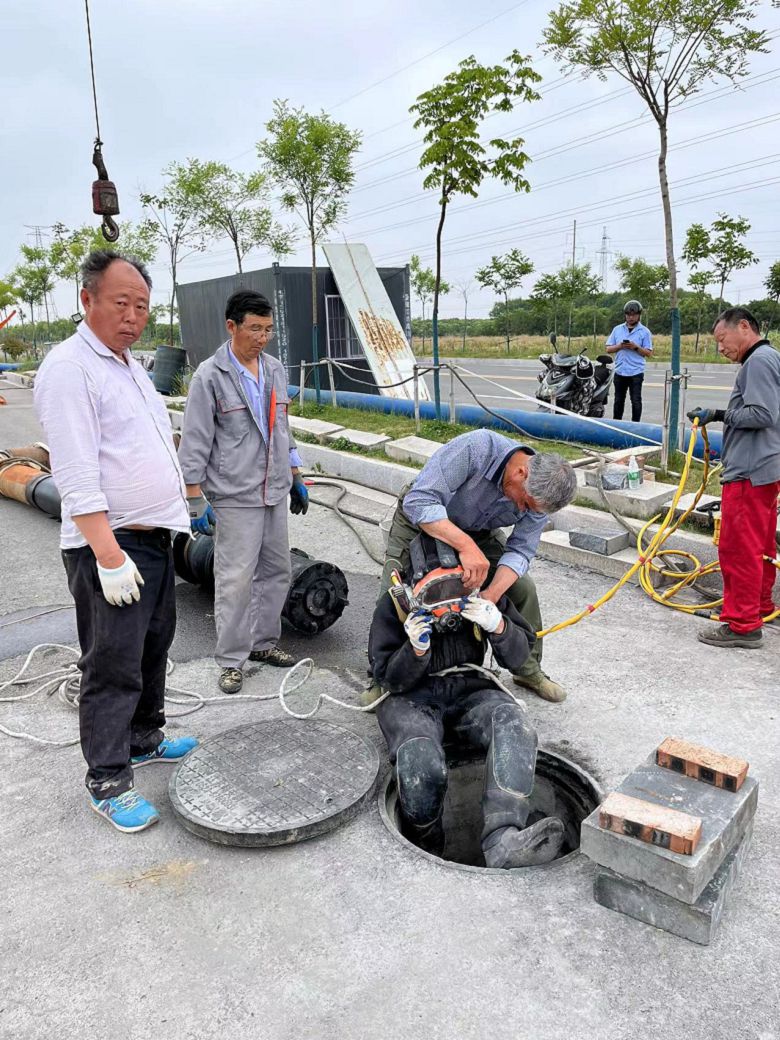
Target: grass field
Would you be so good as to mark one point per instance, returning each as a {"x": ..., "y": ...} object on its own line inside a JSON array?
[{"x": 533, "y": 346}]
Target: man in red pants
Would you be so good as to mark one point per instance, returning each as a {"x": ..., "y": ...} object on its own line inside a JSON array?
[{"x": 750, "y": 478}]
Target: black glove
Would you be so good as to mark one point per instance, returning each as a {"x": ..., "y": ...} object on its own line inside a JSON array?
[
  {"x": 299, "y": 496},
  {"x": 707, "y": 415}
]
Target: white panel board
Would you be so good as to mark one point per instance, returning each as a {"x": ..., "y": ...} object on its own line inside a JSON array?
[{"x": 389, "y": 356}]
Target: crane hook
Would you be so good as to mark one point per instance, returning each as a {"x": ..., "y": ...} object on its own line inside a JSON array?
[{"x": 105, "y": 199}]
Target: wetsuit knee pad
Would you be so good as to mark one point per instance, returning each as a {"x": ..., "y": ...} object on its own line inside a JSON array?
[
  {"x": 421, "y": 778},
  {"x": 513, "y": 749}
]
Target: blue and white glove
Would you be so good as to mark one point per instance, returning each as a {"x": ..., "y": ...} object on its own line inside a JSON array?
[
  {"x": 418, "y": 630},
  {"x": 483, "y": 613},
  {"x": 299, "y": 495},
  {"x": 202, "y": 517}
]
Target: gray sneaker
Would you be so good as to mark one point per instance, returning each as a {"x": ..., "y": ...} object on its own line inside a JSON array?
[
  {"x": 723, "y": 635},
  {"x": 273, "y": 655},
  {"x": 231, "y": 680}
]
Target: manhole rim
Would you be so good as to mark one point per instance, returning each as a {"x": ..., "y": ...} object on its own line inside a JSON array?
[
  {"x": 464, "y": 759},
  {"x": 220, "y": 834}
]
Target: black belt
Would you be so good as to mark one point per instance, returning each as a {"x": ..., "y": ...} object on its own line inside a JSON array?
[{"x": 160, "y": 536}]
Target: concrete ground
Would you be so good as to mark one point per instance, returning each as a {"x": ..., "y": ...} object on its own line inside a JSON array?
[{"x": 351, "y": 935}]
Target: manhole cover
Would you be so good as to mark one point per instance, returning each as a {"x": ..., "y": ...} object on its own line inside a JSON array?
[{"x": 274, "y": 783}]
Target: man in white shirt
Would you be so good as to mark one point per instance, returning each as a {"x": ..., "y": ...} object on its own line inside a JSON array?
[{"x": 115, "y": 466}]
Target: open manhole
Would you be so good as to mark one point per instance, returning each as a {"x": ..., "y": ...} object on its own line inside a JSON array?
[{"x": 561, "y": 788}]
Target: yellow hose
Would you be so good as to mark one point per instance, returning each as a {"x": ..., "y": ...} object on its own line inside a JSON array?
[{"x": 646, "y": 564}]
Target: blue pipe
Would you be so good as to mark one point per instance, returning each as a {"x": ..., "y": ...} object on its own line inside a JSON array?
[
  {"x": 6, "y": 366},
  {"x": 539, "y": 424}
]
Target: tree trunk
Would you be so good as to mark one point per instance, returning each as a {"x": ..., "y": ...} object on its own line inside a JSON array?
[
  {"x": 465, "y": 320},
  {"x": 238, "y": 257},
  {"x": 435, "y": 329},
  {"x": 698, "y": 324},
  {"x": 506, "y": 320},
  {"x": 422, "y": 304},
  {"x": 674, "y": 396},
  {"x": 315, "y": 347}
]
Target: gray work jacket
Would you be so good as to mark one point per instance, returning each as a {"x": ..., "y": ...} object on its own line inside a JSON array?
[
  {"x": 751, "y": 427},
  {"x": 222, "y": 447}
]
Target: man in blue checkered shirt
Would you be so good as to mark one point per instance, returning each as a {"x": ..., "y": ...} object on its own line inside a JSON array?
[{"x": 468, "y": 490}]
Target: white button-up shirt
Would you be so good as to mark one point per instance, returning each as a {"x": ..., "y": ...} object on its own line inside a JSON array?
[{"x": 109, "y": 437}]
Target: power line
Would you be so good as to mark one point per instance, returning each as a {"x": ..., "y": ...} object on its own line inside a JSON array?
[
  {"x": 582, "y": 174},
  {"x": 705, "y": 98}
]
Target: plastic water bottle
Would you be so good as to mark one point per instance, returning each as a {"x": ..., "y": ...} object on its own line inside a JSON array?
[{"x": 634, "y": 476}]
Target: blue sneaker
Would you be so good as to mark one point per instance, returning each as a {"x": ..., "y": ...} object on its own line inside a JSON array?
[
  {"x": 127, "y": 812},
  {"x": 170, "y": 749}
]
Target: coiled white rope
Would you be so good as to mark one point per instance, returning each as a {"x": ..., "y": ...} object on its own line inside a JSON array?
[{"x": 65, "y": 679}]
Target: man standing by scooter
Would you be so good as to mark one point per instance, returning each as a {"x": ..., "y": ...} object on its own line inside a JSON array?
[
  {"x": 750, "y": 479},
  {"x": 631, "y": 343}
]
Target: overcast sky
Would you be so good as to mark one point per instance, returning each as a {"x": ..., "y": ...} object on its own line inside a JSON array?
[{"x": 194, "y": 78}]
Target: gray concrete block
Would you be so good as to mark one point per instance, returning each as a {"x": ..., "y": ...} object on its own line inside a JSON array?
[
  {"x": 725, "y": 817},
  {"x": 606, "y": 543},
  {"x": 554, "y": 545},
  {"x": 414, "y": 449},
  {"x": 641, "y": 503},
  {"x": 375, "y": 473},
  {"x": 177, "y": 418},
  {"x": 361, "y": 438},
  {"x": 314, "y": 427},
  {"x": 697, "y": 921}
]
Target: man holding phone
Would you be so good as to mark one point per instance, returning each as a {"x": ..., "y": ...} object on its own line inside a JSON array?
[{"x": 631, "y": 343}]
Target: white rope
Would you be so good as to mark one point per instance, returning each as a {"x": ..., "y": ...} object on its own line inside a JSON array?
[{"x": 66, "y": 678}]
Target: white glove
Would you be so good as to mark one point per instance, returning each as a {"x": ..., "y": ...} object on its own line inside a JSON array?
[
  {"x": 418, "y": 629},
  {"x": 120, "y": 584},
  {"x": 483, "y": 613}
]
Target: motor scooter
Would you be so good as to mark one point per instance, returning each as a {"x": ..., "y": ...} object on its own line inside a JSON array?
[{"x": 573, "y": 382}]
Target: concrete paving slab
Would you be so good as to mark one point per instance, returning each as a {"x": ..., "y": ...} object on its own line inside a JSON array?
[
  {"x": 555, "y": 546},
  {"x": 361, "y": 438},
  {"x": 605, "y": 542},
  {"x": 314, "y": 427},
  {"x": 725, "y": 816},
  {"x": 697, "y": 921},
  {"x": 643, "y": 502},
  {"x": 413, "y": 449}
]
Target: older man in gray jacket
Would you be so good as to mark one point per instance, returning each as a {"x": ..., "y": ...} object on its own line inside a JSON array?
[
  {"x": 750, "y": 479},
  {"x": 237, "y": 453}
]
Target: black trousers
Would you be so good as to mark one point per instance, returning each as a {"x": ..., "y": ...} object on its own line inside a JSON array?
[
  {"x": 633, "y": 386},
  {"x": 124, "y": 653},
  {"x": 471, "y": 715}
]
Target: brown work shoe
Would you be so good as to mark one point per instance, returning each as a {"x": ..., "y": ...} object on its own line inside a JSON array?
[
  {"x": 273, "y": 655},
  {"x": 231, "y": 680},
  {"x": 542, "y": 685},
  {"x": 723, "y": 635}
]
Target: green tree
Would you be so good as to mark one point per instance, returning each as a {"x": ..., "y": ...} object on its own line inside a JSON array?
[
  {"x": 310, "y": 158},
  {"x": 503, "y": 274},
  {"x": 666, "y": 50},
  {"x": 176, "y": 226},
  {"x": 423, "y": 284},
  {"x": 34, "y": 280},
  {"x": 451, "y": 114},
  {"x": 574, "y": 283},
  {"x": 772, "y": 286},
  {"x": 720, "y": 247},
  {"x": 699, "y": 281},
  {"x": 548, "y": 291},
  {"x": 9, "y": 295},
  {"x": 231, "y": 205},
  {"x": 642, "y": 281}
]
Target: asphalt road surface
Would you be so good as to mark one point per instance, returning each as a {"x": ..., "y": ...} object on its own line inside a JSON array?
[{"x": 709, "y": 385}]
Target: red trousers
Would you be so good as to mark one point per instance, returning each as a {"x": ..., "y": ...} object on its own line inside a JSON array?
[{"x": 747, "y": 533}]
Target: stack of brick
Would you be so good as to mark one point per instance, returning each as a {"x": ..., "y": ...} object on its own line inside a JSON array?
[{"x": 670, "y": 842}]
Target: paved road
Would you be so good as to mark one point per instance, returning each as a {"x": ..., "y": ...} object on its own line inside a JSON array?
[{"x": 709, "y": 385}]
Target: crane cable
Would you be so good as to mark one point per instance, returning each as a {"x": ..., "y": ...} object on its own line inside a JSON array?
[{"x": 105, "y": 201}]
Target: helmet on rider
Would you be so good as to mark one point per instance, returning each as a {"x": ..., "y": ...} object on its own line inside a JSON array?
[{"x": 633, "y": 307}]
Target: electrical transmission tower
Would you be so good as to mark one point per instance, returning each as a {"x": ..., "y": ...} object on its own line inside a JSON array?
[{"x": 604, "y": 254}]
